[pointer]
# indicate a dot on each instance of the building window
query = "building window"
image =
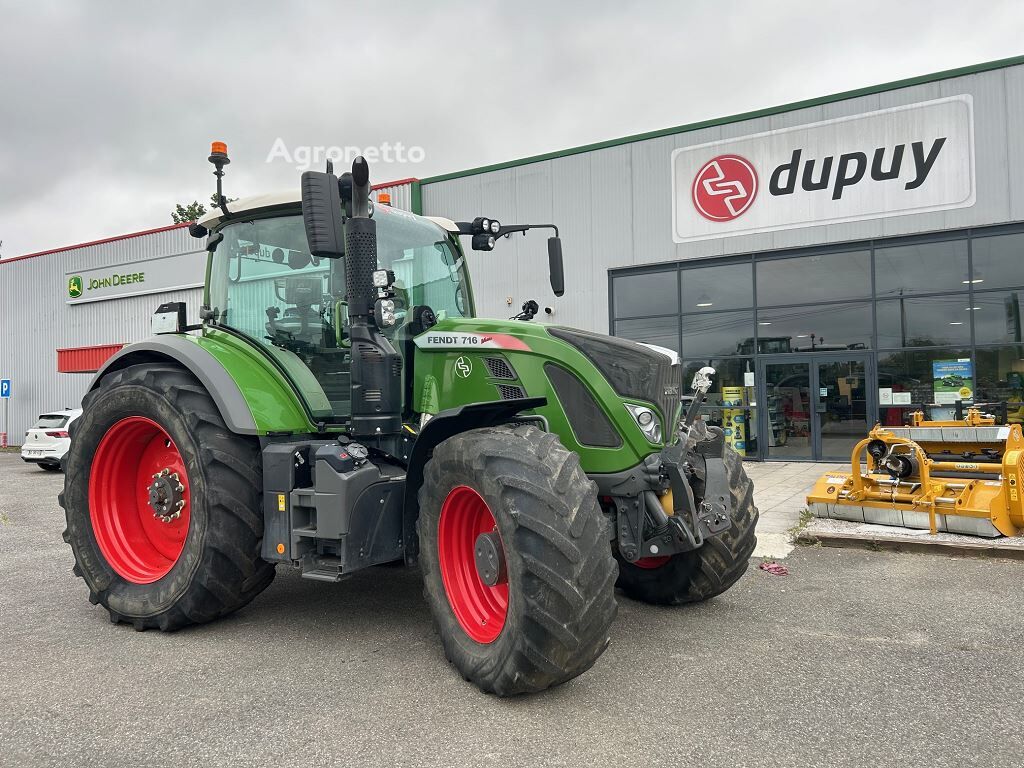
(819, 328)
(998, 261)
(902, 270)
(646, 293)
(931, 321)
(712, 289)
(663, 331)
(717, 334)
(997, 317)
(918, 300)
(1001, 377)
(819, 277)
(911, 370)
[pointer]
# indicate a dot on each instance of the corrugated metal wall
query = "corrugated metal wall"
(400, 191)
(37, 321)
(614, 205)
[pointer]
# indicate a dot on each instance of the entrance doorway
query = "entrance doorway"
(815, 407)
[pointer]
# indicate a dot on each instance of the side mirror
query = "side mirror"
(322, 214)
(555, 266)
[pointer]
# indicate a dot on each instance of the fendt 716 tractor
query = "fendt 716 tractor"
(340, 406)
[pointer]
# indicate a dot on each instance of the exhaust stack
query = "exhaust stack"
(376, 368)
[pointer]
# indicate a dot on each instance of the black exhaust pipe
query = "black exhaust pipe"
(376, 368)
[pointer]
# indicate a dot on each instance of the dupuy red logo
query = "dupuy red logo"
(724, 187)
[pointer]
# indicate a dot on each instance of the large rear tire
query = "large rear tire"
(705, 572)
(546, 619)
(163, 502)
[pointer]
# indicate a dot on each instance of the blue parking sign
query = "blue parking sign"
(5, 387)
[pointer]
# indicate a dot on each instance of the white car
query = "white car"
(47, 441)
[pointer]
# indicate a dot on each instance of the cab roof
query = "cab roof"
(273, 200)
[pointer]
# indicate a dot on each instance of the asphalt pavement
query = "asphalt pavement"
(853, 659)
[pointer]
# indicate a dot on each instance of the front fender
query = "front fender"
(440, 427)
(252, 397)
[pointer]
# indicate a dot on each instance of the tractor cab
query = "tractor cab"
(266, 286)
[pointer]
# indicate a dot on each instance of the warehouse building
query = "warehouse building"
(839, 261)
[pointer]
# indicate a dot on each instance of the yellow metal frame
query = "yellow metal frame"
(929, 491)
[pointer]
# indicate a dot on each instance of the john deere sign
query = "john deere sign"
(75, 284)
(166, 273)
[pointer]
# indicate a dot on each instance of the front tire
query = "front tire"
(163, 502)
(710, 570)
(546, 619)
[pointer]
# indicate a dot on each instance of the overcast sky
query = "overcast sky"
(108, 108)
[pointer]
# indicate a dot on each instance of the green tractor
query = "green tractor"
(340, 406)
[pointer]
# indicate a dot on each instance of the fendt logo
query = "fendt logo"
(74, 286)
(724, 187)
(463, 367)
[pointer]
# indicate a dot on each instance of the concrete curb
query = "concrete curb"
(997, 548)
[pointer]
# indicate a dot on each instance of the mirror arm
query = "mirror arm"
(513, 228)
(466, 228)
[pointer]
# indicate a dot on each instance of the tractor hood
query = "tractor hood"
(635, 371)
(593, 383)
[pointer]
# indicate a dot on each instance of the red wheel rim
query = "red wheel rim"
(140, 547)
(479, 608)
(650, 563)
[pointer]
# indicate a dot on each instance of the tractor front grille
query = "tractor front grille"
(509, 392)
(635, 371)
(499, 368)
(590, 424)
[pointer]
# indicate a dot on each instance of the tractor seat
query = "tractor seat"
(305, 324)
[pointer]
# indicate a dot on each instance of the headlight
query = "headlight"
(380, 278)
(647, 420)
(486, 225)
(483, 242)
(495, 227)
(384, 313)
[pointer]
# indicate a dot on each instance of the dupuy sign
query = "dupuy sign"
(908, 159)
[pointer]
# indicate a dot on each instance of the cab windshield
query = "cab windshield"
(265, 284)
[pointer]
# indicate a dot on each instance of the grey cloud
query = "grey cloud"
(107, 108)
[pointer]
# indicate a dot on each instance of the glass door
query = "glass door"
(787, 406)
(815, 408)
(841, 408)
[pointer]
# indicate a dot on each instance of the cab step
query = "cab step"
(321, 568)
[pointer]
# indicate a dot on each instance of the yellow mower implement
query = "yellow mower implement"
(955, 476)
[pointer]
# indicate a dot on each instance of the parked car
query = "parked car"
(47, 441)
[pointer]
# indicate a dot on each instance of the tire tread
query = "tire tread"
(231, 572)
(560, 539)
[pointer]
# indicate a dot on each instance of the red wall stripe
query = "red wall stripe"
(85, 359)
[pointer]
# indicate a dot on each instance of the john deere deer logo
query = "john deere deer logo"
(74, 287)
